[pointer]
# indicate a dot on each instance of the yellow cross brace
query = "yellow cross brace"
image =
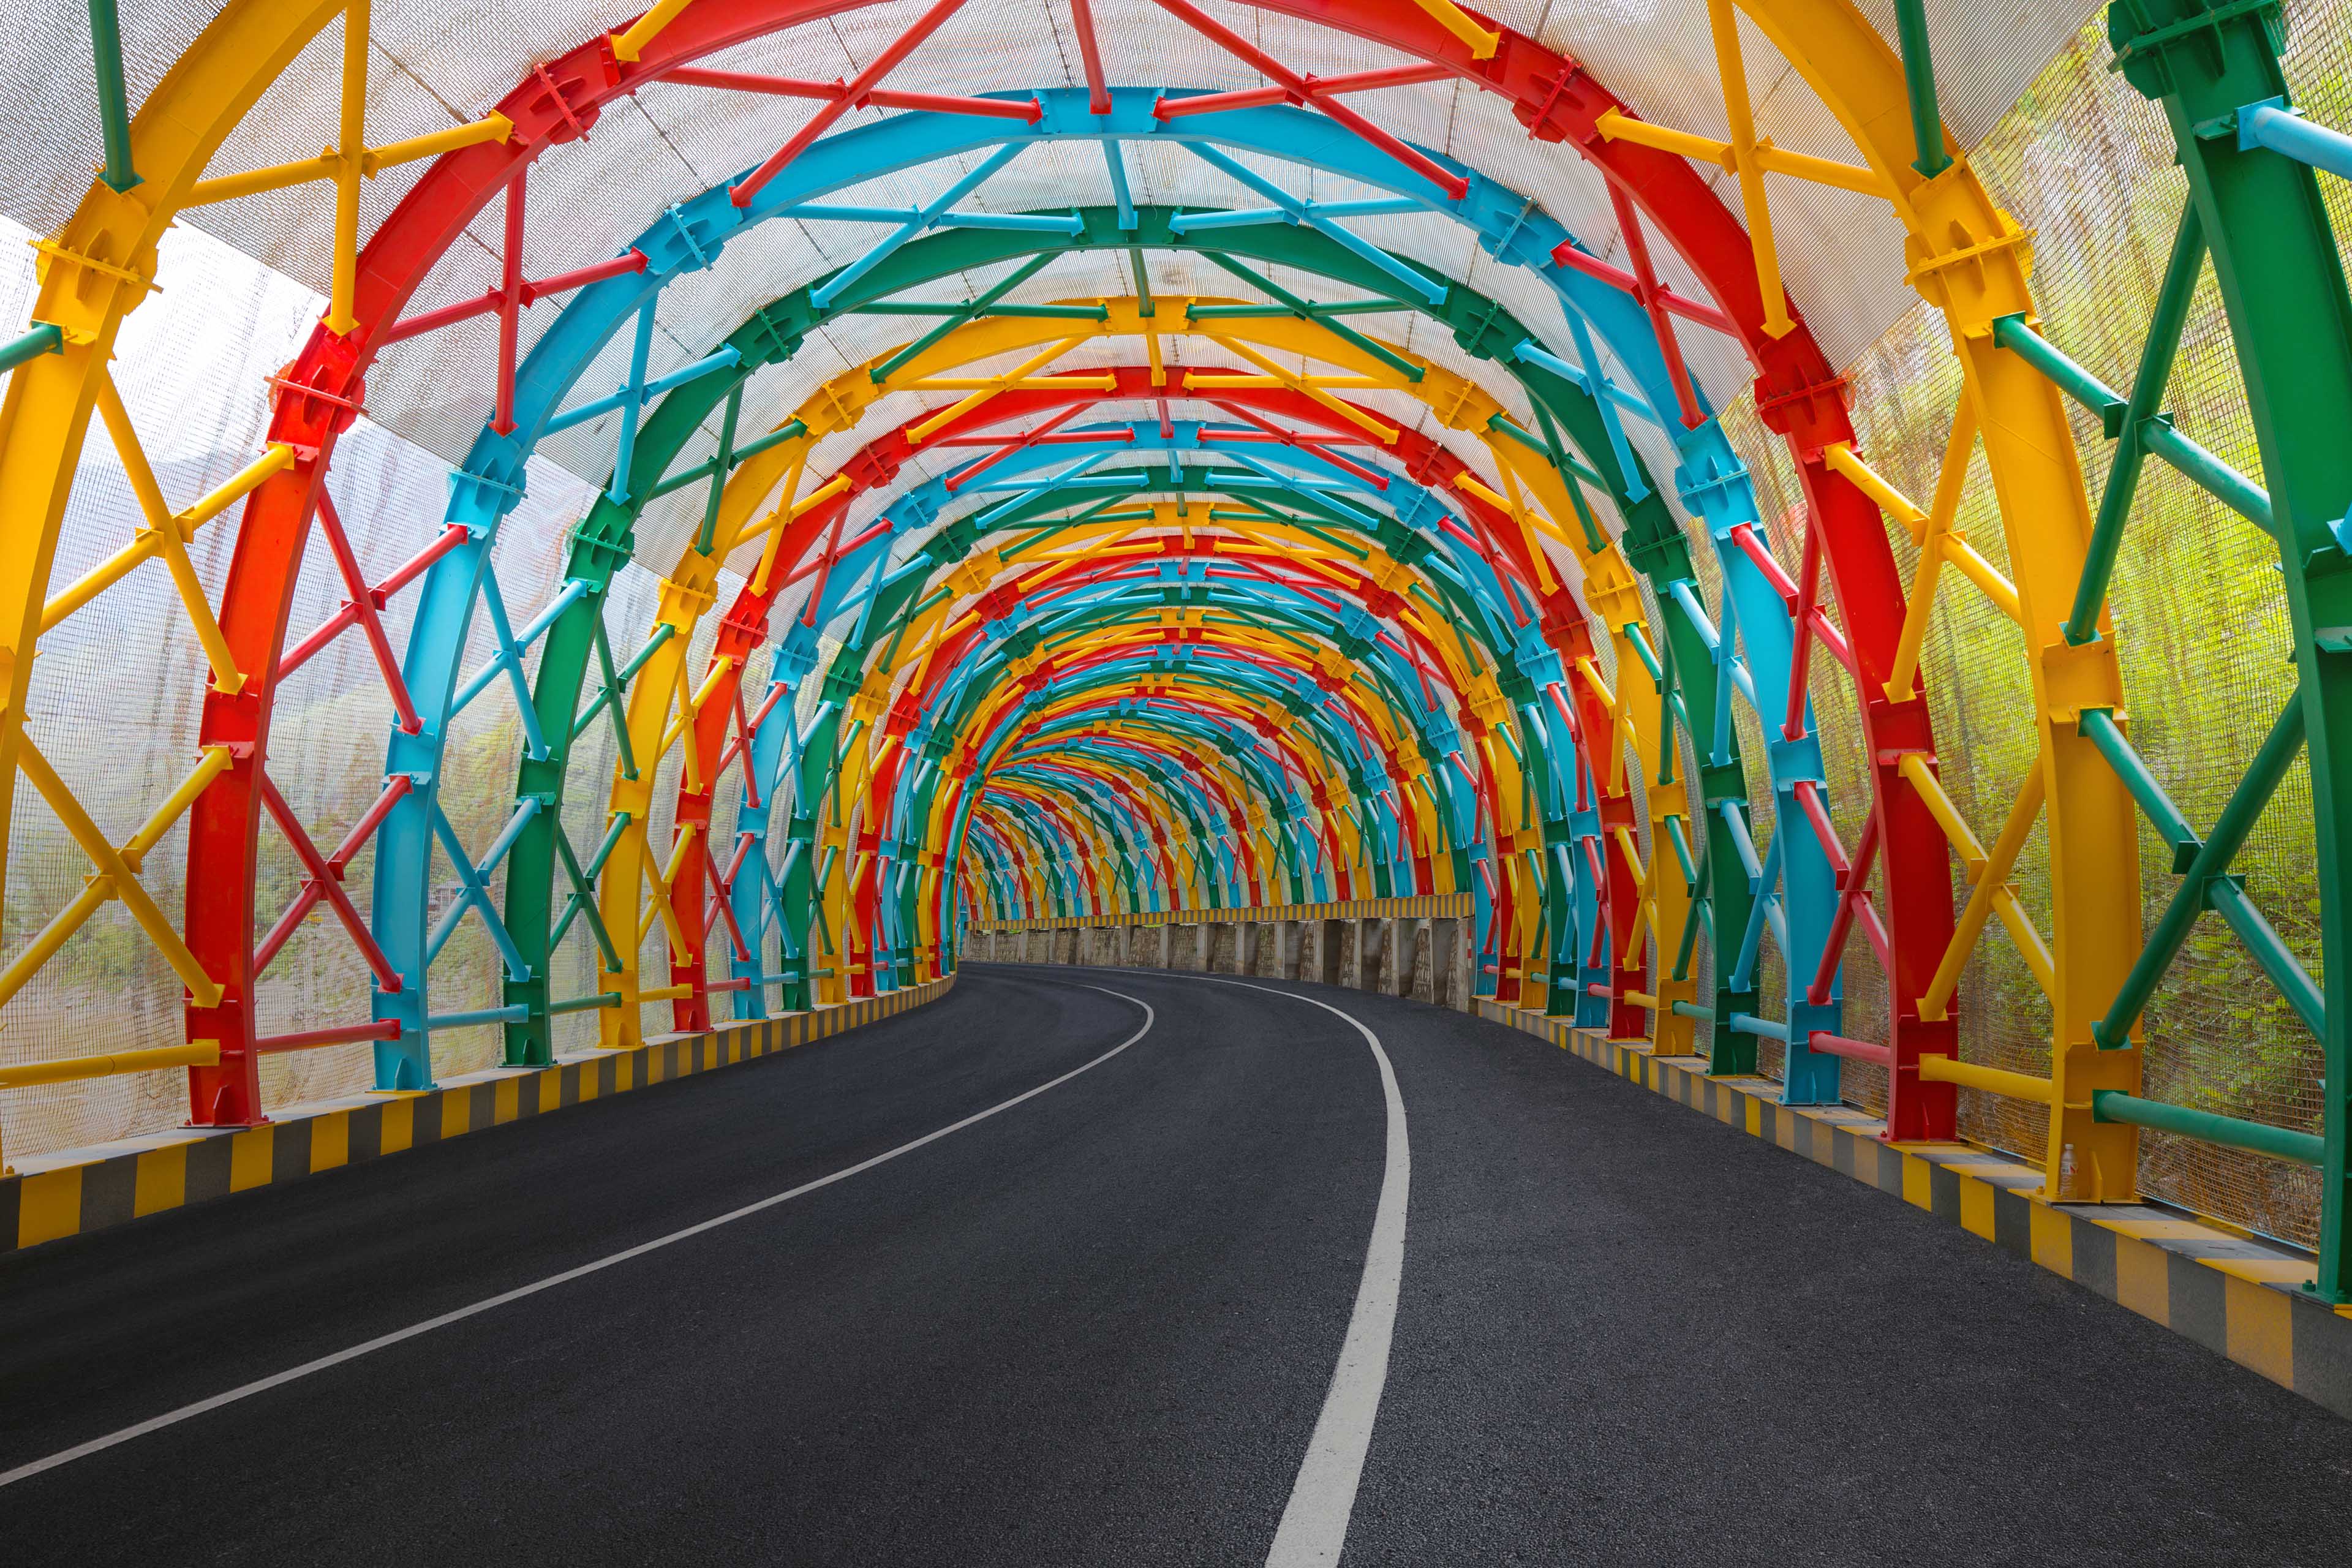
(774, 526)
(1900, 685)
(989, 389)
(1990, 888)
(117, 874)
(166, 533)
(1385, 434)
(350, 162)
(690, 707)
(1923, 528)
(1615, 125)
(787, 511)
(660, 882)
(1064, 380)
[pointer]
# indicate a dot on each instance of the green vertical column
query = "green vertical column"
(1654, 545)
(2283, 284)
(1919, 83)
(113, 101)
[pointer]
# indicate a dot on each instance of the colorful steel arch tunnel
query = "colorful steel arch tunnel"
(1259, 457)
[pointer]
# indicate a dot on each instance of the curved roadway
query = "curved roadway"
(1102, 1325)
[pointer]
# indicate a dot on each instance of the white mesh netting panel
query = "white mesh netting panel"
(2087, 165)
(116, 701)
(589, 197)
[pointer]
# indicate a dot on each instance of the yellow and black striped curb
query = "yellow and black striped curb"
(1418, 906)
(2235, 1295)
(72, 1193)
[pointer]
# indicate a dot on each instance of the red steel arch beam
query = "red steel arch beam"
(324, 387)
(1229, 707)
(1094, 771)
(1215, 699)
(1800, 396)
(1235, 811)
(743, 626)
(1236, 814)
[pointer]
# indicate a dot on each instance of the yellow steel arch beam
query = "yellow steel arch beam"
(841, 404)
(1325, 779)
(1967, 257)
(985, 569)
(951, 617)
(92, 274)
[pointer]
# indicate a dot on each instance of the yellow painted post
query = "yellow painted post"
(1901, 684)
(1722, 22)
(352, 164)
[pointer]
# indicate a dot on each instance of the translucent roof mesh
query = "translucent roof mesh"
(431, 71)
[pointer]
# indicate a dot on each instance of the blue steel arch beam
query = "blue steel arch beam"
(1682, 593)
(1340, 745)
(682, 224)
(1218, 820)
(1309, 613)
(1116, 823)
(1396, 674)
(1083, 735)
(1271, 789)
(1438, 751)
(1435, 753)
(1518, 215)
(1339, 738)
(902, 587)
(1112, 679)
(1114, 685)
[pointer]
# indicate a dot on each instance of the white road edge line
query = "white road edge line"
(1315, 1525)
(277, 1380)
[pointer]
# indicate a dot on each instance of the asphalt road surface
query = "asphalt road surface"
(1224, 1274)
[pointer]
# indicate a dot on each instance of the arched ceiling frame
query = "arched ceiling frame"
(777, 320)
(1847, 64)
(243, 51)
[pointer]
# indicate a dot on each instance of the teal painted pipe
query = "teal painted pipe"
(1919, 78)
(2260, 1137)
(44, 339)
(2282, 130)
(2098, 727)
(2208, 472)
(2279, 748)
(2227, 898)
(584, 1003)
(2186, 265)
(2011, 332)
(511, 1014)
(113, 103)
(2199, 467)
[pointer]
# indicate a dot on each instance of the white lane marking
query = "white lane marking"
(1315, 1525)
(275, 1380)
